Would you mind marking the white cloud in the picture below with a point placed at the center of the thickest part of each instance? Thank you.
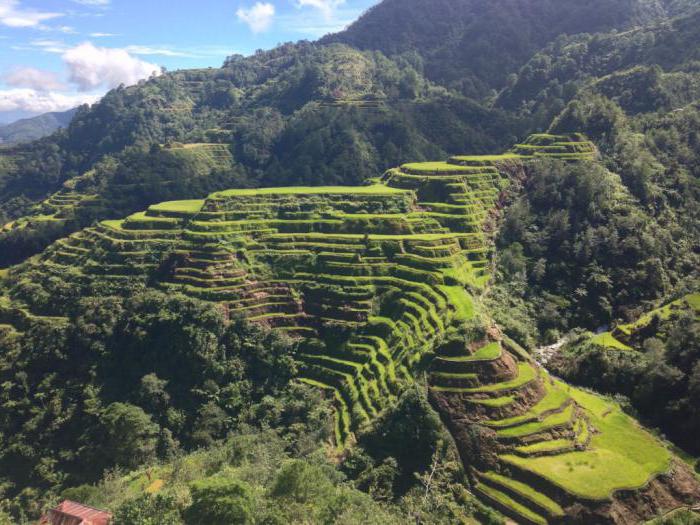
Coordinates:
(327, 7)
(102, 35)
(36, 79)
(97, 3)
(91, 67)
(13, 15)
(31, 100)
(69, 30)
(259, 17)
(50, 46)
(163, 51)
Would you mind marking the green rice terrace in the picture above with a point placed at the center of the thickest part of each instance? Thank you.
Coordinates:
(625, 336)
(382, 284)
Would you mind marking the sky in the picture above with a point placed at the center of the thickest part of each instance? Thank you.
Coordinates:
(57, 54)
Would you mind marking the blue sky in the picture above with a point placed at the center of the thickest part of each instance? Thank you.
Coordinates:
(55, 54)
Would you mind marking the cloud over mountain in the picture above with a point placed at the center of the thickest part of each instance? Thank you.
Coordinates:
(259, 17)
(91, 67)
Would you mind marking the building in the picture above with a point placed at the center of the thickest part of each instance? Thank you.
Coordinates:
(72, 513)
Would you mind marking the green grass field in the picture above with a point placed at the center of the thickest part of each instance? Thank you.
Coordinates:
(375, 189)
(621, 456)
(437, 167)
(607, 340)
(190, 206)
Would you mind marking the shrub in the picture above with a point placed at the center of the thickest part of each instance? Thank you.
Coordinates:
(148, 510)
(219, 500)
(301, 482)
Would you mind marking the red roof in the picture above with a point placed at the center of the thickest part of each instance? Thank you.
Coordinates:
(72, 513)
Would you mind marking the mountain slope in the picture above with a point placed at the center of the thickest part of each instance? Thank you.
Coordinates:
(29, 129)
(473, 45)
(379, 284)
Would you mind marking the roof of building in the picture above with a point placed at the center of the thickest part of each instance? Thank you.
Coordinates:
(72, 513)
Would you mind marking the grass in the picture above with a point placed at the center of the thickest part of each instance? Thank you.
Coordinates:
(510, 503)
(488, 352)
(526, 373)
(554, 398)
(485, 158)
(554, 420)
(495, 402)
(545, 446)
(621, 456)
(607, 340)
(190, 206)
(663, 312)
(375, 189)
(693, 300)
(438, 167)
(461, 300)
(552, 507)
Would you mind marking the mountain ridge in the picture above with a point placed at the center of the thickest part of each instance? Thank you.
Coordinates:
(33, 128)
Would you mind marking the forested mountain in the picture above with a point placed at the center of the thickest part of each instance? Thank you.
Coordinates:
(459, 182)
(28, 129)
(474, 45)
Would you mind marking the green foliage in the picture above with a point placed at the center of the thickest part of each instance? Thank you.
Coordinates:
(409, 435)
(300, 482)
(577, 248)
(220, 500)
(148, 510)
(661, 376)
(477, 53)
(680, 517)
(129, 435)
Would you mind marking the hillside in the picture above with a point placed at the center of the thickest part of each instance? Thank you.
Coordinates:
(29, 129)
(251, 294)
(474, 45)
(653, 360)
(380, 282)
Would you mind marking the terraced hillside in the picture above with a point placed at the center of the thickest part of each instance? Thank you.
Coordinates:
(381, 282)
(627, 336)
(58, 208)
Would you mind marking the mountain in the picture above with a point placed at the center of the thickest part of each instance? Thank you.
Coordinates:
(29, 129)
(474, 45)
(329, 280)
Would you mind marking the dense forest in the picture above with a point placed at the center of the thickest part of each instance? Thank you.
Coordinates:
(137, 385)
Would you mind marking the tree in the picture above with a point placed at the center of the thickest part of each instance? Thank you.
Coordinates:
(220, 500)
(300, 482)
(130, 436)
(148, 510)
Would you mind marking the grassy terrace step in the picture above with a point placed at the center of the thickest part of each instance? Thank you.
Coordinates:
(524, 493)
(460, 301)
(453, 379)
(621, 455)
(510, 506)
(488, 352)
(526, 374)
(342, 417)
(376, 189)
(441, 168)
(583, 432)
(555, 420)
(554, 399)
(483, 160)
(354, 397)
(554, 446)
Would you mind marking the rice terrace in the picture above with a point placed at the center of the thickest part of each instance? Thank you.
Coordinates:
(350, 262)
(382, 282)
